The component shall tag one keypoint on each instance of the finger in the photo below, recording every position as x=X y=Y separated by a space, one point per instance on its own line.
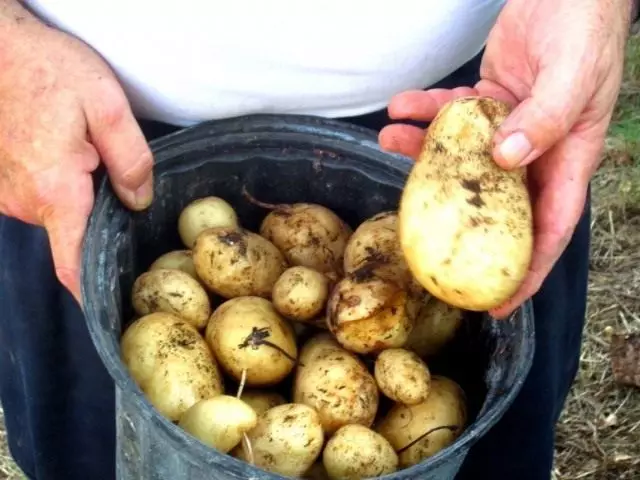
x=424 y=105
x=124 y=150
x=562 y=182
x=487 y=88
x=543 y=119
x=402 y=139
x=65 y=222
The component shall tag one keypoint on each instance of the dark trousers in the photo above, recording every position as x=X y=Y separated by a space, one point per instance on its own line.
x=59 y=400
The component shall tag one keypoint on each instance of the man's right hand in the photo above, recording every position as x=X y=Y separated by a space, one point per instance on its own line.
x=62 y=111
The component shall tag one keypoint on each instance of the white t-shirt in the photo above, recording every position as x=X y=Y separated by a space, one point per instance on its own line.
x=187 y=61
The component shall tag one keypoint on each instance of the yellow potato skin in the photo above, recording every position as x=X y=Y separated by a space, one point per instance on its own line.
x=219 y=421
x=466 y=226
x=287 y=440
x=171 y=363
x=417 y=432
x=355 y=452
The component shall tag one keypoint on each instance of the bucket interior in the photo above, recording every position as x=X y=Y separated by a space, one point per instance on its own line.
x=280 y=159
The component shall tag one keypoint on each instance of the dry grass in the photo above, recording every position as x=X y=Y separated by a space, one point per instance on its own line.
x=598 y=436
x=8 y=469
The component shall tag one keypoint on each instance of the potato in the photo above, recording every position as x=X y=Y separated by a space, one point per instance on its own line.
x=368 y=314
x=420 y=431
x=171 y=291
x=376 y=241
x=300 y=293
x=171 y=363
x=248 y=333
x=233 y=262
x=204 y=213
x=287 y=440
x=336 y=383
x=437 y=324
x=176 y=260
x=402 y=376
x=219 y=422
x=262 y=400
x=355 y=452
x=466 y=225
x=308 y=234
x=315 y=346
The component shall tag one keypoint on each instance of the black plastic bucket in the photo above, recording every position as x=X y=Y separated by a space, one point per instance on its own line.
x=279 y=158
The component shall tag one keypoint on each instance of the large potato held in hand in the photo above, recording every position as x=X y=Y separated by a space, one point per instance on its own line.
x=287 y=440
x=466 y=225
x=171 y=363
x=336 y=384
x=355 y=452
x=368 y=314
x=420 y=431
x=204 y=213
x=219 y=422
x=309 y=235
x=248 y=333
x=171 y=291
x=234 y=262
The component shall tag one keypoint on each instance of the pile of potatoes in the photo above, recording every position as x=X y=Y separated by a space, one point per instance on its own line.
x=320 y=325
x=316 y=322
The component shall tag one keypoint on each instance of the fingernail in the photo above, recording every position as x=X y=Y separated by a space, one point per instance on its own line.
x=515 y=149
x=144 y=195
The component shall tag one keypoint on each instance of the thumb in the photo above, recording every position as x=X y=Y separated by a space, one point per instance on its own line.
x=121 y=145
x=541 y=120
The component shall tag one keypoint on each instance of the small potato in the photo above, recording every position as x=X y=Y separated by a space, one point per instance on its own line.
x=171 y=291
x=262 y=400
x=308 y=235
x=336 y=383
x=176 y=260
x=219 y=422
x=436 y=326
x=170 y=362
x=204 y=213
x=466 y=224
x=248 y=333
x=300 y=293
x=402 y=376
x=420 y=431
x=287 y=440
x=376 y=240
x=355 y=452
x=233 y=262
x=368 y=314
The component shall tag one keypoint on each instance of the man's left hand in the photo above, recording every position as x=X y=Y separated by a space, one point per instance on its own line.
x=559 y=63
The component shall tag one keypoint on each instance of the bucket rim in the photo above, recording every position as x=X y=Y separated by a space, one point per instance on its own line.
x=331 y=131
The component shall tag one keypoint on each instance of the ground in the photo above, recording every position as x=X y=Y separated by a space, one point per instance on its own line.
x=599 y=433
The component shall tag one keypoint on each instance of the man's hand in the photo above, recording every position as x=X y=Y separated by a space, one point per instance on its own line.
x=559 y=63
x=61 y=112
